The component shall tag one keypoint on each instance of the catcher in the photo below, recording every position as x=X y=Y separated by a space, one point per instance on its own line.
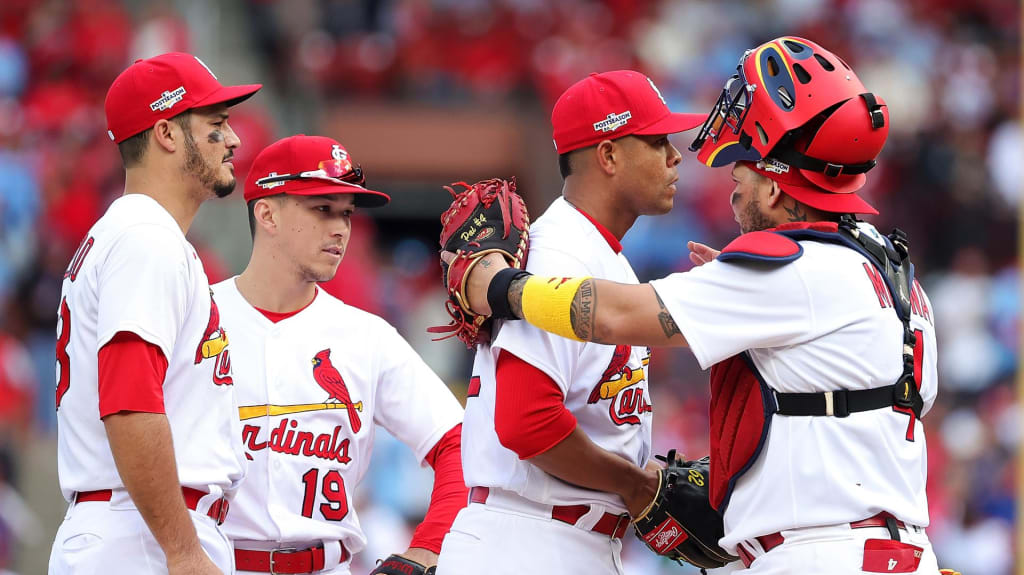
x=557 y=433
x=820 y=342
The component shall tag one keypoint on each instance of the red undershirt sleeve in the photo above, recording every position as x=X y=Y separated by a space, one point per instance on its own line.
x=450 y=494
x=131 y=375
x=529 y=408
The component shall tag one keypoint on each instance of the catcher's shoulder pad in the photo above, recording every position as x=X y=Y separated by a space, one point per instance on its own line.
x=762 y=246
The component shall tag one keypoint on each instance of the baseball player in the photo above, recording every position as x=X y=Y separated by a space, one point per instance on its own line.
x=315 y=374
x=820 y=343
x=557 y=433
x=148 y=451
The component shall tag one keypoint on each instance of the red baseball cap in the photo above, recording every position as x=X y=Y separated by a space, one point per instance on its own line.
x=795 y=183
x=309 y=166
x=611 y=105
x=162 y=87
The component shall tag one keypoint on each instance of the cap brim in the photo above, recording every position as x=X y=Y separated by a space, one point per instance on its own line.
x=364 y=198
x=843 y=203
x=673 y=124
x=229 y=95
x=839 y=184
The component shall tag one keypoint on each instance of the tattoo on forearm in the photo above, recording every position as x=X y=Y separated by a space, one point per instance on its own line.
x=583 y=312
x=668 y=325
x=515 y=296
x=796 y=214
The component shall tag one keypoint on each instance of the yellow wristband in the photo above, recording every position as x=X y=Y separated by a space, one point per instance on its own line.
x=547 y=303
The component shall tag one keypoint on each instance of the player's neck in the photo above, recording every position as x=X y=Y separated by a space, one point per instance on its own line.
x=600 y=208
x=268 y=285
x=173 y=194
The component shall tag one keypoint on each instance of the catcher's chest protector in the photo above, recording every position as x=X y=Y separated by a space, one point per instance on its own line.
x=742 y=404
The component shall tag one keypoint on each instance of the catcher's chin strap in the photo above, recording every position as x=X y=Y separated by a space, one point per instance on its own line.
x=894 y=262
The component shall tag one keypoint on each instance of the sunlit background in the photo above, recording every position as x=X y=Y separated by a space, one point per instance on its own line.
x=426 y=92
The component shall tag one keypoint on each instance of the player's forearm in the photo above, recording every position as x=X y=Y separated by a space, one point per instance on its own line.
x=143 y=451
x=424 y=557
x=580 y=461
x=600 y=311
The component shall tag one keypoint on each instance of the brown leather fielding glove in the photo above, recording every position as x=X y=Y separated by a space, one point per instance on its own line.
x=488 y=216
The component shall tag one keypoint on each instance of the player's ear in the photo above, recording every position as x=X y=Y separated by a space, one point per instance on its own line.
x=264 y=213
x=775 y=193
x=165 y=137
x=607 y=154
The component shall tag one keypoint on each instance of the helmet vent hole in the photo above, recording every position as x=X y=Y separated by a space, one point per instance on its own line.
x=761 y=134
x=824 y=63
x=773 y=66
x=801 y=74
x=793 y=46
x=786 y=97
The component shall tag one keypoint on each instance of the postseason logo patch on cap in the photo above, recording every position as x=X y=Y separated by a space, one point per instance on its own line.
x=613 y=122
x=168 y=99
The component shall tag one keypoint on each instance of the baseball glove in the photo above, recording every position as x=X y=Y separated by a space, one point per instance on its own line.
x=680 y=523
x=398 y=565
x=487 y=217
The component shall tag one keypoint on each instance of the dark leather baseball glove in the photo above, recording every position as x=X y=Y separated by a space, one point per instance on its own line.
x=398 y=565
x=680 y=522
x=488 y=216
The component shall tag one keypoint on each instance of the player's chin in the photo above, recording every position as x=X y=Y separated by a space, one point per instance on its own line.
x=223 y=188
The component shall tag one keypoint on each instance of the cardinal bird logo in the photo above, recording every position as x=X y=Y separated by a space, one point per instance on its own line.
x=327 y=377
x=617 y=367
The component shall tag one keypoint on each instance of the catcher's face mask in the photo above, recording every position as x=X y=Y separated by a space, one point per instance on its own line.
x=779 y=87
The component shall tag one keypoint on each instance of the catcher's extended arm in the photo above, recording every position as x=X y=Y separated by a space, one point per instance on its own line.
x=488 y=216
x=680 y=522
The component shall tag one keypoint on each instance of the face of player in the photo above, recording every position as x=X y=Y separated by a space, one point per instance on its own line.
x=650 y=173
x=314 y=232
x=209 y=146
x=749 y=199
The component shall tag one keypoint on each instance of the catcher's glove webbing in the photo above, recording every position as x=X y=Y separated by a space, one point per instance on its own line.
x=680 y=522
x=487 y=217
x=398 y=565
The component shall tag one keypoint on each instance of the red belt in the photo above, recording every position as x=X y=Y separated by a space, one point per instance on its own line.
x=773 y=540
x=218 y=511
x=284 y=560
x=609 y=524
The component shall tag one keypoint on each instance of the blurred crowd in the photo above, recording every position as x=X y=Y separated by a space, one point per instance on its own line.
x=950 y=176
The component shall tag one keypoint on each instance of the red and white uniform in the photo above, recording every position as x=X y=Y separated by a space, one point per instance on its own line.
x=135 y=273
x=816 y=324
x=603 y=387
x=311 y=385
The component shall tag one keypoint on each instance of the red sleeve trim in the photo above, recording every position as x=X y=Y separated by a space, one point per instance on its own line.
x=131 y=375
x=529 y=408
x=449 y=495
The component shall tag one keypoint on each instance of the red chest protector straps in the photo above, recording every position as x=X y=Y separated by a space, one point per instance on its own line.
x=742 y=404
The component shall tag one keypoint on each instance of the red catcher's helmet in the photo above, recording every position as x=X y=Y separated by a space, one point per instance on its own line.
x=797 y=103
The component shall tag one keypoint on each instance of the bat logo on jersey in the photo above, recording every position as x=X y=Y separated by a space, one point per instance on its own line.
x=327 y=377
x=214 y=344
x=619 y=383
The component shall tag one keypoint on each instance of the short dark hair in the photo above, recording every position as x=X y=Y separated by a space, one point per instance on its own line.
x=565 y=164
x=133 y=149
x=250 y=205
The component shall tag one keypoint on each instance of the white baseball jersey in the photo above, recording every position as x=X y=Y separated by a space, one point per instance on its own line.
x=310 y=387
x=816 y=324
x=605 y=386
x=136 y=272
